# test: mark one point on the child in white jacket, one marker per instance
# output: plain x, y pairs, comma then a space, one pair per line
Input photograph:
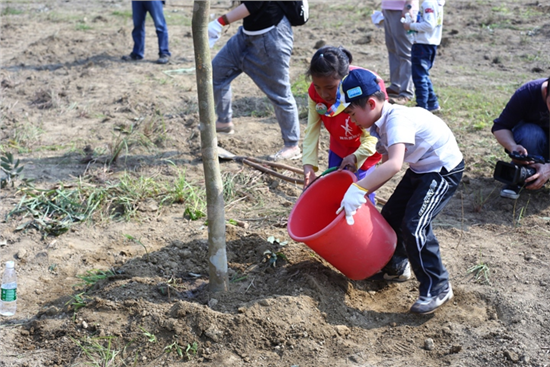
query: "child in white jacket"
428, 30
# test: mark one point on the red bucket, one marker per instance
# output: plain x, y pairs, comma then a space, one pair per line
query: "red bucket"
358, 251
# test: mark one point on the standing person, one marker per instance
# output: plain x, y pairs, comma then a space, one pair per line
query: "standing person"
427, 37
350, 146
261, 49
425, 142
398, 43
522, 127
139, 12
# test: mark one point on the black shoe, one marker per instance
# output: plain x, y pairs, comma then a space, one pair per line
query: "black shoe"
399, 271
131, 57
510, 191
163, 59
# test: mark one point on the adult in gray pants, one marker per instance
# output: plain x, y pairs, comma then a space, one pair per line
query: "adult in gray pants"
399, 43
261, 49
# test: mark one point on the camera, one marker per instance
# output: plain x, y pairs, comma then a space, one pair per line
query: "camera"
513, 174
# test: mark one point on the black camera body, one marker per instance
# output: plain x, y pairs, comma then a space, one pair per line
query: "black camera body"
514, 174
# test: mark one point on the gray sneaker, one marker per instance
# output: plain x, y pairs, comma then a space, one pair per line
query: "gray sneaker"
427, 305
510, 192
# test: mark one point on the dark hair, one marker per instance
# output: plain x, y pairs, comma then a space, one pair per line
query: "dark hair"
330, 61
362, 102
547, 88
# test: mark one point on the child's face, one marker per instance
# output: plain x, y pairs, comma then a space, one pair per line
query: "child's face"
363, 117
326, 87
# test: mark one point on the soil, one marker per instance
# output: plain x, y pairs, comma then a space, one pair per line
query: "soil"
67, 95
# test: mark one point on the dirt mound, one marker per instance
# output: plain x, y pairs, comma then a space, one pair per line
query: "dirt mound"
130, 286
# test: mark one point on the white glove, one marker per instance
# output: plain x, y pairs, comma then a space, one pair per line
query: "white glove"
353, 200
214, 32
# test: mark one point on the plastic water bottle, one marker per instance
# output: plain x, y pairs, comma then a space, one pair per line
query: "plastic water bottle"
408, 19
8, 295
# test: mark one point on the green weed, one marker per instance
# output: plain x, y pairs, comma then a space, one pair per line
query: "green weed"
522, 211
11, 11
54, 211
480, 200
24, 137
190, 350
93, 276
82, 27
10, 168
103, 352
151, 338
481, 270
132, 238
122, 13
78, 301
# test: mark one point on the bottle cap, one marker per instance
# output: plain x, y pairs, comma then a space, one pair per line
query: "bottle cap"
9, 265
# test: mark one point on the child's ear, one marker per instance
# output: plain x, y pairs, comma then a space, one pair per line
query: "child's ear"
372, 103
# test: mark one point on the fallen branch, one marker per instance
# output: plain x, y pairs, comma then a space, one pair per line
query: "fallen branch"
273, 173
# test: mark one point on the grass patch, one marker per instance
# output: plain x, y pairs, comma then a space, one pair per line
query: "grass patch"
93, 276
473, 109
24, 137
127, 14
82, 27
147, 133
177, 19
105, 351
11, 11
55, 211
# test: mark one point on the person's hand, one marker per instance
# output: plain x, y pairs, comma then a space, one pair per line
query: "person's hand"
349, 162
353, 200
407, 26
539, 178
309, 175
214, 32
522, 151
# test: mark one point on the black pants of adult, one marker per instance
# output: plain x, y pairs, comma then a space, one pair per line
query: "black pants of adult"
410, 211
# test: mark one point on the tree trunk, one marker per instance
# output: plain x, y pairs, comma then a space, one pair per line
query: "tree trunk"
217, 255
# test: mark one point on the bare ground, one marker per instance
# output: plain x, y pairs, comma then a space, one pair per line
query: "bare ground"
65, 92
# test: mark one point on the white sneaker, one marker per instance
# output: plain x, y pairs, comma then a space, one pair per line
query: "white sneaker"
287, 153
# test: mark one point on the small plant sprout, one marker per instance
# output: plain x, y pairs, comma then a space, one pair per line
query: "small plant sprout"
174, 347
78, 301
10, 168
151, 338
138, 241
191, 350
480, 271
271, 257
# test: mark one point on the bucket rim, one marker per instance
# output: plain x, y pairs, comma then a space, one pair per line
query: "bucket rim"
340, 217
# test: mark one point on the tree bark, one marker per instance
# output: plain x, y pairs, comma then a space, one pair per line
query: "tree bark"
217, 255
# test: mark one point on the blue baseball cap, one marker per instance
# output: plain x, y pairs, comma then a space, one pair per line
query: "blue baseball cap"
359, 83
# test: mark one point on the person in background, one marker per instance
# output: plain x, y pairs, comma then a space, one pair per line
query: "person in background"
139, 12
398, 43
427, 36
261, 49
523, 127
350, 146
436, 165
